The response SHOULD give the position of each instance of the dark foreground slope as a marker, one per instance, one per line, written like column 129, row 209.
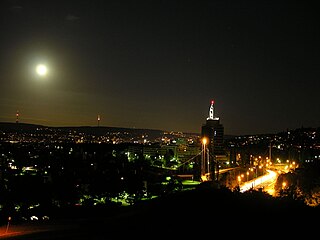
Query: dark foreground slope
column 200, row 213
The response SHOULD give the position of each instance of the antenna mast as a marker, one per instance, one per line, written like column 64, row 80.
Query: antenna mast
column 17, row 116
column 98, row 120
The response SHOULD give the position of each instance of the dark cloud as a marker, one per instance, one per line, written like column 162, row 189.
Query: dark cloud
column 71, row 17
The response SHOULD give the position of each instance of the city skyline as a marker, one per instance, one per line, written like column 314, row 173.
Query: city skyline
column 158, row 65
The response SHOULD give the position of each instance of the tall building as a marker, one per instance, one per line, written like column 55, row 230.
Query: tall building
column 213, row 132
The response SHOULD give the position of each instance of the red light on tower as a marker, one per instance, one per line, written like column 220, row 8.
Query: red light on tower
column 17, row 116
column 212, row 102
column 98, row 120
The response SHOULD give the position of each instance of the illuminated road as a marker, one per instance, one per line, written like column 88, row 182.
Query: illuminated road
column 79, row 229
column 14, row 231
column 265, row 182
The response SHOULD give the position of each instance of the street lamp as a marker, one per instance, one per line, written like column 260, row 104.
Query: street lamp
column 239, row 180
column 203, row 158
column 284, row 184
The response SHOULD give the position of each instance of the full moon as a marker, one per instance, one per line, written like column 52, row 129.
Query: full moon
column 41, row 70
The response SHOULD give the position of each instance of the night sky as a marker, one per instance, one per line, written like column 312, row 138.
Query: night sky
column 158, row 64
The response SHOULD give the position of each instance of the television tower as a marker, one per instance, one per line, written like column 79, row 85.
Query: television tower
column 98, row 120
column 17, row 116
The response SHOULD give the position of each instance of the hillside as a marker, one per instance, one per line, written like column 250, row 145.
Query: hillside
column 92, row 130
column 204, row 212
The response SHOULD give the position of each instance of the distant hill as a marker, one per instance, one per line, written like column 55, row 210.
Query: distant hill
column 92, row 130
column 101, row 130
column 18, row 127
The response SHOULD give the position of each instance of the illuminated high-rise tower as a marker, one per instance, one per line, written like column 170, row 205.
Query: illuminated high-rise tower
column 213, row 132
